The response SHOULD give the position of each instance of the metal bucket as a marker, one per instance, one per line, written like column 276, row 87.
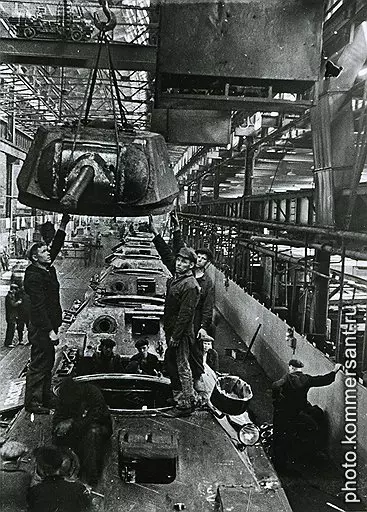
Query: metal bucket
column 231, row 395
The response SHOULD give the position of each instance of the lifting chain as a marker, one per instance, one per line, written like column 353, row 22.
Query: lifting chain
column 103, row 27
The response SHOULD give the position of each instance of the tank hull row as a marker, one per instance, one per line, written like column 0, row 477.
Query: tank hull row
column 154, row 462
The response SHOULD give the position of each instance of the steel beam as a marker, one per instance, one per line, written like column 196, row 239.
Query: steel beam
column 229, row 103
column 78, row 55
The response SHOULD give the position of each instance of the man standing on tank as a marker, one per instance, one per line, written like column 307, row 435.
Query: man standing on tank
column 204, row 310
column 181, row 300
column 42, row 286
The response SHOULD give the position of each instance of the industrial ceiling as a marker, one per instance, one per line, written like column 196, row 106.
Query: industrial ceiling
column 204, row 107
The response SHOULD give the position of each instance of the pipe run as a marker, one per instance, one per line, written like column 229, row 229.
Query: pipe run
column 299, row 262
column 332, row 233
column 356, row 255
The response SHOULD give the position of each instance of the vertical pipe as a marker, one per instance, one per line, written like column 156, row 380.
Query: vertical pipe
column 339, row 347
column 293, row 308
column 274, row 261
column 249, row 169
column 321, row 295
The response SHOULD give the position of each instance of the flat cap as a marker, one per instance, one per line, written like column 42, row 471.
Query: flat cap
column 142, row 343
column 296, row 363
column 188, row 254
column 49, row 459
column 107, row 342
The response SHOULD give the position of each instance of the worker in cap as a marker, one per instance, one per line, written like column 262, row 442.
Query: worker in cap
column 54, row 492
column 182, row 297
column 204, row 311
column 105, row 360
column 291, row 406
column 14, row 480
column 187, row 253
column 144, row 361
column 107, row 342
column 82, row 422
column 43, row 289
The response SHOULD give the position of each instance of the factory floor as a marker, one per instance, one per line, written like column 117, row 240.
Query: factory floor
column 74, row 278
column 311, row 486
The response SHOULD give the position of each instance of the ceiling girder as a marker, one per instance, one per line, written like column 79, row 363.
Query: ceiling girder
column 81, row 55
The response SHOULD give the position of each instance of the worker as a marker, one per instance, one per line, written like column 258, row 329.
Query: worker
column 143, row 361
column 14, row 480
column 105, row 361
column 55, row 493
column 4, row 258
column 204, row 310
column 210, row 354
column 179, row 310
column 289, row 401
column 87, row 253
column 83, row 422
column 12, row 305
column 42, row 286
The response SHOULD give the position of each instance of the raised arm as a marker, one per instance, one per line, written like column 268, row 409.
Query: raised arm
column 59, row 237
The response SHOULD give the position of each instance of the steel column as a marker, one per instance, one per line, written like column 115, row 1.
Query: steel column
column 320, row 304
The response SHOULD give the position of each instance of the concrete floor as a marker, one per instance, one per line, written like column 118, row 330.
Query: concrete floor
column 311, row 484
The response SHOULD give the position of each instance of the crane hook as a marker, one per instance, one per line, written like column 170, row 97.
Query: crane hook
column 108, row 25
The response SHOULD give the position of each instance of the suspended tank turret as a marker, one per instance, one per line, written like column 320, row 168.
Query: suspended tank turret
column 97, row 169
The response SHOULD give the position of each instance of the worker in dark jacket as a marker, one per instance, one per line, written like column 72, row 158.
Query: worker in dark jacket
column 105, row 361
column 12, row 305
column 143, row 361
column 82, row 422
column 14, row 480
column 54, row 493
column 204, row 310
column 42, row 286
column 289, row 401
column 179, row 309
